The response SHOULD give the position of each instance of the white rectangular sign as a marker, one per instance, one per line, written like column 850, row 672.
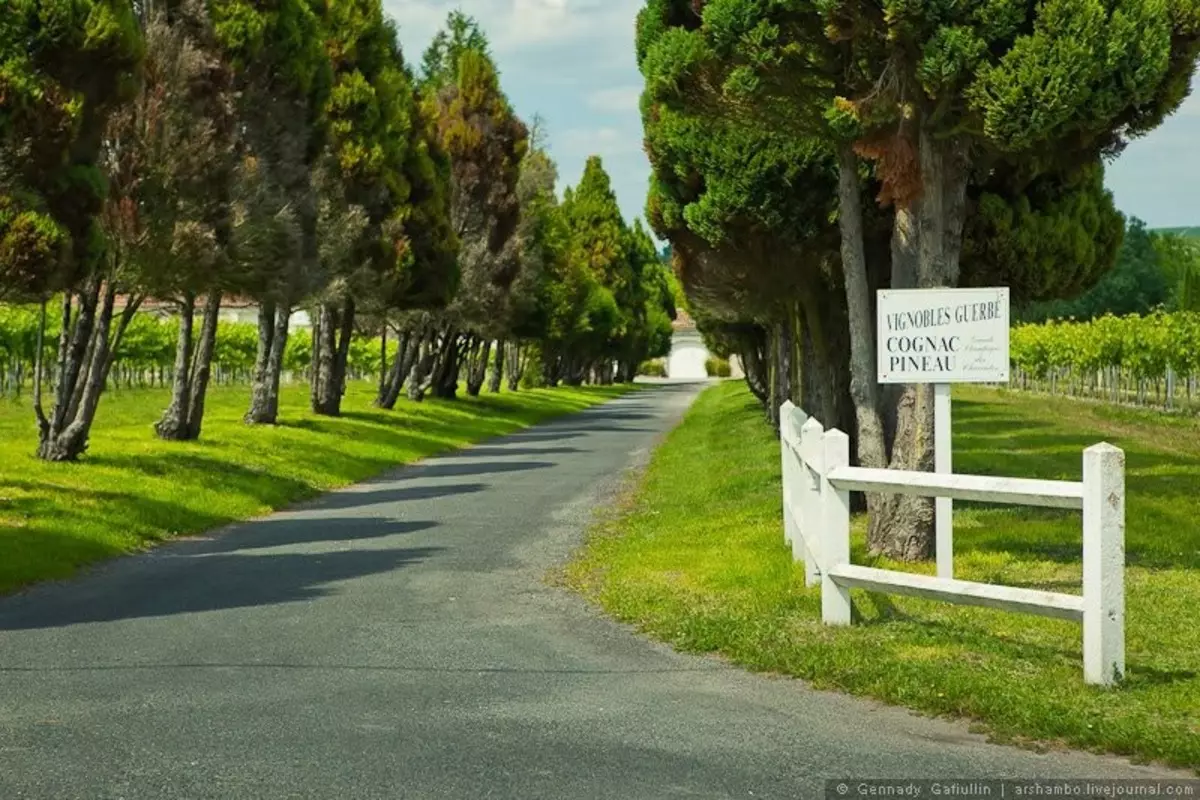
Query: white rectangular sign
column 943, row 335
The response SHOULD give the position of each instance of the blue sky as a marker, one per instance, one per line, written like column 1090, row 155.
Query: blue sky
column 572, row 62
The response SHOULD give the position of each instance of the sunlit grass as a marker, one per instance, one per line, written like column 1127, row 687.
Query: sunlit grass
column 131, row 490
column 697, row 558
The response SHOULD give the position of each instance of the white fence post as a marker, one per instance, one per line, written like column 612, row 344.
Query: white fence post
column 835, row 536
column 1103, row 564
column 788, row 474
column 811, row 510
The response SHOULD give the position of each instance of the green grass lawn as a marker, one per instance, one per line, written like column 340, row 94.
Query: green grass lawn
column 697, row 558
column 132, row 490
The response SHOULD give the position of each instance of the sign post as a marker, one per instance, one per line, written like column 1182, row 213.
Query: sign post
column 942, row 336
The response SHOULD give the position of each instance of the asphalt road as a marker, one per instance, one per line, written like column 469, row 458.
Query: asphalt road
column 397, row 640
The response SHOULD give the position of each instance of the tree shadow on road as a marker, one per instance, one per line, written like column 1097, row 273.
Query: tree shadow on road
column 439, row 469
column 188, row 580
column 384, row 490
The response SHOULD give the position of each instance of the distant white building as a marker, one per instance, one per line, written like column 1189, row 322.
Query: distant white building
column 688, row 353
column 233, row 309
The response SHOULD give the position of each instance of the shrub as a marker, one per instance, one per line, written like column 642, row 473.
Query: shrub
column 655, row 368
column 717, row 367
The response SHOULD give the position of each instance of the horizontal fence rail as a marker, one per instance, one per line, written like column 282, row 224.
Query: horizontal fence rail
column 818, row 479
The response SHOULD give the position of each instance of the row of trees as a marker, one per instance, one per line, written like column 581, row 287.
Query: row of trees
column 148, row 347
column 806, row 153
column 1154, row 269
column 190, row 150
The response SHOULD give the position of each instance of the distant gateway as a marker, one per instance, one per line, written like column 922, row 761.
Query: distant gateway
column 688, row 353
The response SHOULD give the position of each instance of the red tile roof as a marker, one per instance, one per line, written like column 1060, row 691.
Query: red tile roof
column 683, row 322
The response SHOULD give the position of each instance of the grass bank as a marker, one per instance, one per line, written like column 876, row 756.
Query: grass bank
column 132, row 490
column 697, row 558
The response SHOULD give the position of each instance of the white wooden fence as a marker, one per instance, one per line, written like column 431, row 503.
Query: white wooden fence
column 818, row 479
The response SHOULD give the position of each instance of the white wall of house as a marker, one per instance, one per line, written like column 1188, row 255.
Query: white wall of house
column 688, row 354
column 250, row 314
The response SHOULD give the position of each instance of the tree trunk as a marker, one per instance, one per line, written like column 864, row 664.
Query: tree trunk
column 383, row 365
column 273, row 321
column 279, row 341
column 552, row 369
column 782, row 350
column 824, row 385
column 73, row 342
column 756, row 382
column 754, row 364
column 321, row 361
column 173, row 424
column 445, row 383
column 406, row 351
column 76, row 396
column 331, row 352
column 871, row 449
column 515, row 366
column 901, row 526
column 477, row 369
column 259, row 394
column 202, row 364
column 38, row 357
column 497, row 375
column 419, row 378
column 67, row 437
column 929, row 237
column 604, row 373
column 573, row 371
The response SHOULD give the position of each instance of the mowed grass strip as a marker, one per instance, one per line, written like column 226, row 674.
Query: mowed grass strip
column 132, row 490
column 697, row 559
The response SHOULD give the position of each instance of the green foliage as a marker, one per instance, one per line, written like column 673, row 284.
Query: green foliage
column 717, row 367
column 1140, row 346
column 654, row 368
column 442, row 59
column 1178, row 258
column 486, row 144
column 1134, row 286
column 282, row 38
column 614, row 301
column 1051, row 237
column 64, row 65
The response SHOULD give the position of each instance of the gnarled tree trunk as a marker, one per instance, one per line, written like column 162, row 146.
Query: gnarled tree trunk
column 497, row 374
column 273, row 321
column 783, row 346
column 173, row 424
column 517, row 358
column 872, row 450
column 449, row 358
column 85, row 358
column 331, row 354
column 202, row 364
column 926, row 245
column 406, row 352
column 419, row 378
column 477, row 363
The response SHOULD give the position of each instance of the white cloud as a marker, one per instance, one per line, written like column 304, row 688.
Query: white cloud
column 604, row 142
column 619, row 99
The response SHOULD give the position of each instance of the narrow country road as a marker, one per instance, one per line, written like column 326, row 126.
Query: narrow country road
column 397, row 640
